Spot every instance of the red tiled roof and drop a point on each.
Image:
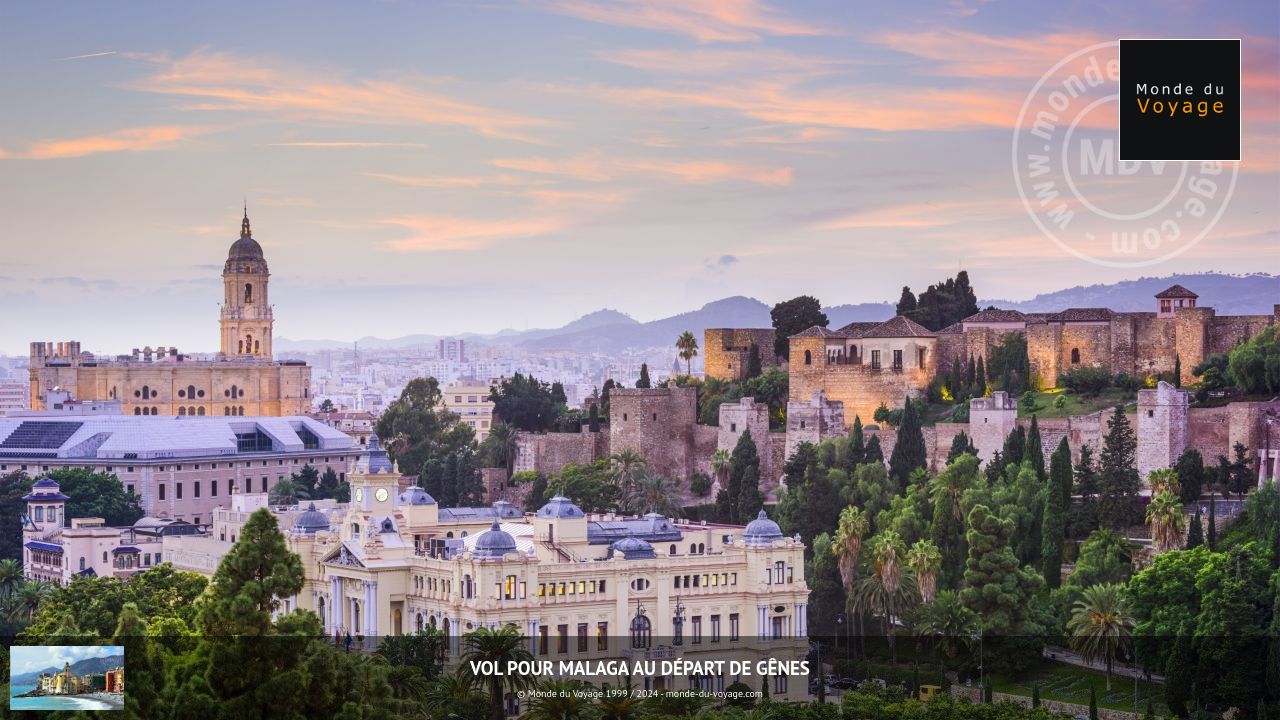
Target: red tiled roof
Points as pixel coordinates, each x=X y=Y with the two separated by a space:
x=1082 y=315
x=816 y=331
x=1176 y=291
x=991 y=315
x=899 y=327
x=952 y=329
x=856 y=329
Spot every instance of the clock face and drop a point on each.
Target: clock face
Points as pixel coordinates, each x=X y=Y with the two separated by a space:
x=381 y=494
x=359 y=494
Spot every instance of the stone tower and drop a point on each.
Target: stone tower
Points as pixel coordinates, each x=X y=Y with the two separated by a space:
x=1162 y=428
x=246 y=309
x=991 y=419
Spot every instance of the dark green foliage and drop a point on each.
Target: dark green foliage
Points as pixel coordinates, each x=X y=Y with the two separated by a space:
x=1118 y=481
x=1035 y=695
x=906 y=301
x=1015 y=447
x=525 y=403
x=1034 y=451
x=826 y=592
x=95 y=603
x=1190 y=469
x=1254 y=365
x=1211 y=534
x=1241 y=476
x=998 y=589
x=1055 y=514
x=95 y=494
x=700 y=485
x=960 y=445
x=416 y=428
x=13 y=486
x=794 y=316
x=593 y=421
x=751 y=501
x=1104 y=557
x=1093 y=703
x=909 y=452
x=326 y=406
x=1177 y=371
x=979 y=388
x=644 y=381
x=942 y=304
x=744 y=478
x=1088 y=380
x=308 y=479
x=874 y=453
x=1009 y=367
x=857 y=448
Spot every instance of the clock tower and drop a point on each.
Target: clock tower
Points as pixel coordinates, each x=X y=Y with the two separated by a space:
x=246 y=311
x=374 y=482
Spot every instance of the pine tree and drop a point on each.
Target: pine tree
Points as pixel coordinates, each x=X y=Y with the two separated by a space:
x=1118 y=482
x=960 y=445
x=1015 y=447
x=1195 y=533
x=909 y=451
x=906 y=302
x=874 y=453
x=1055 y=515
x=857 y=447
x=993 y=565
x=643 y=382
x=754 y=365
x=1034 y=450
x=1211 y=536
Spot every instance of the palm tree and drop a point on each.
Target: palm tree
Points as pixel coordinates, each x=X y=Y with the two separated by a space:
x=1164 y=479
x=10 y=577
x=29 y=597
x=449 y=691
x=559 y=700
x=924 y=559
x=1167 y=520
x=688 y=346
x=504 y=439
x=888 y=591
x=623 y=707
x=848 y=542
x=721 y=463
x=652 y=493
x=886 y=554
x=1100 y=625
x=501 y=645
x=948 y=621
x=626 y=465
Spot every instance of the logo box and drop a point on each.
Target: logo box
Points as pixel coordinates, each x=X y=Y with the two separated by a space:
x=1180 y=100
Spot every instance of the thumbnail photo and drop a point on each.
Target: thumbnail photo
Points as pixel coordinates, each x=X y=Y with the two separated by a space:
x=66 y=677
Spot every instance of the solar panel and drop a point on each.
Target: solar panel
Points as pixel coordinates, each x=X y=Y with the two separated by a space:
x=41 y=435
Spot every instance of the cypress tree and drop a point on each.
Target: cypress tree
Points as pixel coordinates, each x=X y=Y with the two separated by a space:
x=1195 y=533
x=857 y=447
x=1034 y=450
x=1055 y=515
x=909 y=451
x=971 y=374
x=593 y=418
x=956 y=382
x=960 y=445
x=643 y=382
x=1118 y=481
x=994 y=469
x=751 y=501
x=754 y=365
x=980 y=378
x=744 y=457
x=1177 y=371
x=1015 y=447
x=1211 y=536
x=874 y=453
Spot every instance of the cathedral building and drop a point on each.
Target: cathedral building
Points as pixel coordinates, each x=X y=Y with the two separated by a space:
x=241 y=379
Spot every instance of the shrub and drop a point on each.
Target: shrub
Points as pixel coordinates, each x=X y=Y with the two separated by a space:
x=1087 y=380
x=1128 y=382
x=700 y=485
x=1060 y=402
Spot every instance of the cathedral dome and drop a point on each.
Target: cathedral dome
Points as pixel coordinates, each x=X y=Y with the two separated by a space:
x=761 y=532
x=246 y=249
x=494 y=543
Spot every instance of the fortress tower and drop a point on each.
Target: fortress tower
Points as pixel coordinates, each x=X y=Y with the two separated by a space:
x=1162 y=428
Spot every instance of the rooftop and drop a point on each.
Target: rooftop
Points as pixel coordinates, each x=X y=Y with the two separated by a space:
x=899 y=327
x=1175 y=291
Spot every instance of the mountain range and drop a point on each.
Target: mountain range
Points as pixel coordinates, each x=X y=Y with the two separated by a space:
x=609 y=330
x=88 y=666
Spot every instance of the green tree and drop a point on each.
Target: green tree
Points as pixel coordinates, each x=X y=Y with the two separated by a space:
x=96 y=494
x=330 y=486
x=906 y=302
x=1167 y=521
x=1009 y=366
x=909 y=452
x=1195 y=532
x=744 y=457
x=326 y=406
x=1034 y=452
x=1105 y=557
x=874 y=454
x=287 y=492
x=525 y=403
x=687 y=344
x=1190 y=469
x=1055 y=515
x=847 y=543
x=999 y=590
x=960 y=444
x=1254 y=365
x=1100 y=626
x=593 y=422
x=942 y=303
x=417 y=428
x=501 y=646
x=793 y=316
x=947 y=490
x=924 y=559
x=1118 y=481
x=644 y=381
x=887 y=591
x=1015 y=446
x=1211 y=537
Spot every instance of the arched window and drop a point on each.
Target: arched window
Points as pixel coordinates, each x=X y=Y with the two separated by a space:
x=191 y=391
x=641 y=632
x=468 y=587
x=137 y=411
x=673 y=550
x=182 y=411
x=146 y=392
x=248 y=292
x=257 y=348
x=191 y=411
x=702 y=548
x=808 y=358
x=104 y=556
x=240 y=348
x=248 y=342
x=82 y=563
x=1075 y=356
x=419 y=624
x=39 y=513
x=200 y=411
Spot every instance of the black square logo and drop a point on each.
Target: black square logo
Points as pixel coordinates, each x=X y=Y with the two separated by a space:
x=1179 y=99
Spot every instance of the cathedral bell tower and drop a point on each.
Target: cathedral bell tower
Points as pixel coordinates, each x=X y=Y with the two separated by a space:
x=246 y=310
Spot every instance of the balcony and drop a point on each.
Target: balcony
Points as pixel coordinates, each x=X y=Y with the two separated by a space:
x=661 y=652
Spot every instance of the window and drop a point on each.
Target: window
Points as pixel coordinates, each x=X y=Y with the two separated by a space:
x=178 y=490
x=641 y=632
x=715 y=628
x=808 y=358
x=602 y=636
x=39 y=513
x=779 y=684
x=129 y=489
x=161 y=491
x=733 y=627
x=213 y=488
x=562 y=639
x=582 y=637
x=1075 y=356
x=875 y=359
x=697 y=629
x=542 y=640
x=264 y=484
x=897 y=359
x=733 y=427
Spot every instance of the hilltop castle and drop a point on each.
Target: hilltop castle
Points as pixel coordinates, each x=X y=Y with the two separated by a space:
x=241 y=379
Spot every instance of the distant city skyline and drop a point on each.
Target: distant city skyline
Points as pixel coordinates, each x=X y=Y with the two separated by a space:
x=446 y=168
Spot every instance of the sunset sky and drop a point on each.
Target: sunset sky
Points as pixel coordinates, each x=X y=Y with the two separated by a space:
x=453 y=167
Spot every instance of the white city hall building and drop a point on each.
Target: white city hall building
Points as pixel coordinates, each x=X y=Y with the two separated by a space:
x=580 y=587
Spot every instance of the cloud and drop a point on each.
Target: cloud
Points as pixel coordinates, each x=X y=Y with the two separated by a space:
x=88 y=55
x=721 y=61
x=926 y=215
x=595 y=166
x=302 y=94
x=439 y=233
x=703 y=20
x=965 y=54
x=140 y=139
x=345 y=144
x=726 y=260
x=454 y=181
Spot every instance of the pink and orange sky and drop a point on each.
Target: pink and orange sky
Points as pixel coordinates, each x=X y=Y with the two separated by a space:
x=451 y=167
